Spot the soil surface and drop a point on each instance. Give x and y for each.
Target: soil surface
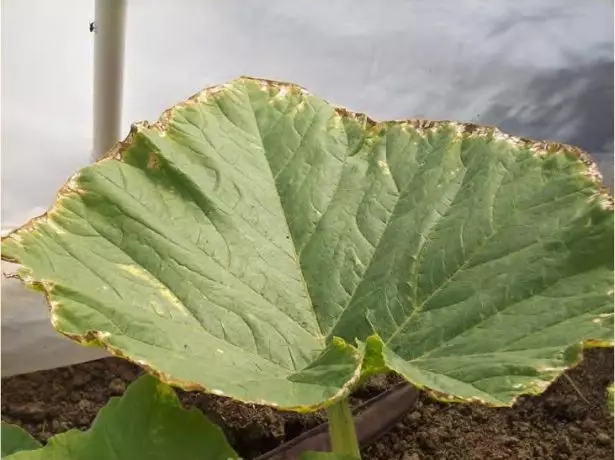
(569, 421)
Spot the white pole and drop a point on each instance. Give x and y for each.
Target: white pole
(110, 32)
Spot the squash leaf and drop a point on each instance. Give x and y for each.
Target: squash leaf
(16, 439)
(146, 422)
(261, 243)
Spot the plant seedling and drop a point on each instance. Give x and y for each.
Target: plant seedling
(259, 243)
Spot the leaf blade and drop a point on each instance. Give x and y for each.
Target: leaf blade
(16, 439)
(256, 222)
(146, 422)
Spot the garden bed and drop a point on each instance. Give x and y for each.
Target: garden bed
(569, 421)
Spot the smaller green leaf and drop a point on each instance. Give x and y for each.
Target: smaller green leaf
(16, 439)
(147, 422)
(326, 456)
(610, 398)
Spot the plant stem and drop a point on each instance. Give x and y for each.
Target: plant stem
(342, 430)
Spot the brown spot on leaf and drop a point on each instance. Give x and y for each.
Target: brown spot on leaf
(152, 161)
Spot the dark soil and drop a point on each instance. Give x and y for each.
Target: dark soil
(569, 421)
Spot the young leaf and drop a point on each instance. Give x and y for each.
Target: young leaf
(227, 246)
(610, 398)
(146, 422)
(16, 439)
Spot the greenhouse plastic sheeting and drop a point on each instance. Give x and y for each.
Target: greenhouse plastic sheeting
(537, 69)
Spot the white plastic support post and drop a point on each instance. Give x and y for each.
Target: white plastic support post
(109, 38)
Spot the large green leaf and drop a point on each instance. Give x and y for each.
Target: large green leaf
(15, 439)
(147, 422)
(225, 247)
